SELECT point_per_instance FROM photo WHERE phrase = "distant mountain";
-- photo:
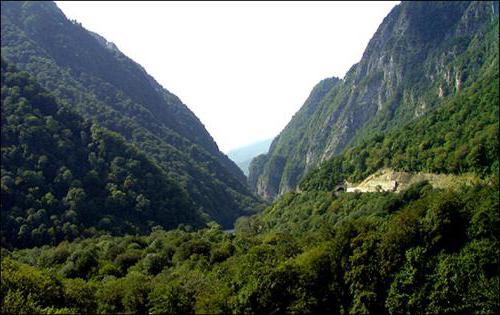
(64, 177)
(243, 156)
(420, 236)
(91, 75)
(422, 53)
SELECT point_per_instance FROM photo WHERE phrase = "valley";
(380, 196)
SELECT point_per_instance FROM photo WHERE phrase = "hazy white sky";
(244, 68)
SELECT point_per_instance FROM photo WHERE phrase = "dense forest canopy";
(422, 251)
(90, 75)
(64, 177)
(90, 224)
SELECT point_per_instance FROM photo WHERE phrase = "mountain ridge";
(421, 237)
(64, 177)
(102, 84)
(417, 56)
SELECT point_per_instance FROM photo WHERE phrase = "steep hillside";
(64, 177)
(422, 54)
(427, 249)
(244, 155)
(84, 70)
(461, 136)
(420, 251)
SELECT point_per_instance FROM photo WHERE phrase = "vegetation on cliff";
(422, 55)
(76, 186)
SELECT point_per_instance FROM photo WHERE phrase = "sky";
(244, 68)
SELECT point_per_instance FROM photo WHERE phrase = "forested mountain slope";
(422, 54)
(90, 74)
(461, 136)
(420, 251)
(64, 177)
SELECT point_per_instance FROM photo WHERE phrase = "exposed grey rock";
(413, 60)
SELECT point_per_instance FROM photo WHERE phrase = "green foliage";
(420, 251)
(171, 299)
(79, 295)
(99, 82)
(28, 290)
(423, 57)
(63, 177)
(14, 303)
(461, 136)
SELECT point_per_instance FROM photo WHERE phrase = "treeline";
(64, 177)
(422, 251)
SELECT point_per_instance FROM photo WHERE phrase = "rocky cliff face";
(417, 57)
